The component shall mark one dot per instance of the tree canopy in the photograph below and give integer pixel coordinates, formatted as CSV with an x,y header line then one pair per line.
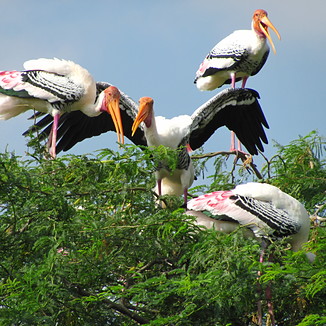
x,y
83,242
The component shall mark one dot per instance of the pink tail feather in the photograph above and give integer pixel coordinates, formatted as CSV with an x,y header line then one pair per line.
x,y
217,200
10,80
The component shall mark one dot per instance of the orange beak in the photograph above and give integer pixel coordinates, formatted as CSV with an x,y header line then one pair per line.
x,y
144,111
264,23
112,98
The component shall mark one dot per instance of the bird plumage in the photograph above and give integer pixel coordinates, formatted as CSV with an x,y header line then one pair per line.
x,y
238,56
171,133
175,133
237,109
75,126
263,208
47,85
53,86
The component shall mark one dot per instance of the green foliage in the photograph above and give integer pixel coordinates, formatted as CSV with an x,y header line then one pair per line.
x,y
84,243
313,320
299,169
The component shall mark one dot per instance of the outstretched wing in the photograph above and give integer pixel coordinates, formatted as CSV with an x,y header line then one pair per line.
x,y
75,126
237,109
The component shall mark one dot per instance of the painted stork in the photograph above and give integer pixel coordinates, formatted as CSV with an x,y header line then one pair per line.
x,y
237,109
238,56
266,210
262,208
172,133
56,86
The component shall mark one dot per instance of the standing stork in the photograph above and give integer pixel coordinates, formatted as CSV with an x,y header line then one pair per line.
x,y
56,86
172,133
238,56
264,209
237,109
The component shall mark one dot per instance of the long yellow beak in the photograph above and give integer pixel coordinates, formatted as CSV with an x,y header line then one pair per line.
x,y
112,99
114,109
145,109
268,23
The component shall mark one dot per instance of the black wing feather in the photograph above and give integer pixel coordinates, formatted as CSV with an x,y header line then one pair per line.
x,y
238,110
75,126
277,219
58,88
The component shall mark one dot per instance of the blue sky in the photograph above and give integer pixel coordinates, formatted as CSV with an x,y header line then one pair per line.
x,y
153,48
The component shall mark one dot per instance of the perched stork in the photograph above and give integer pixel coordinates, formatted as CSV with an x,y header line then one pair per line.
x,y
237,109
56,86
238,56
172,133
264,209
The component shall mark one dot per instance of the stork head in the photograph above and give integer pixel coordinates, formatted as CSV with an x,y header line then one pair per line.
x,y
260,24
145,113
111,106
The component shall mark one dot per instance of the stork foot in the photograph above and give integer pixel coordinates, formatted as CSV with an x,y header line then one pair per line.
x,y
248,160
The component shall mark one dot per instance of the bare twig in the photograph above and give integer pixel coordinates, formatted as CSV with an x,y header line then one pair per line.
x,y
212,154
247,161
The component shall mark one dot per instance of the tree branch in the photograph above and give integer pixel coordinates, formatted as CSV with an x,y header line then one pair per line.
x,y
112,305
247,161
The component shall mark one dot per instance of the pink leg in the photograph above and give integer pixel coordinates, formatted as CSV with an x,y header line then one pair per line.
x,y
53,135
233,75
232,148
49,142
239,146
189,149
244,80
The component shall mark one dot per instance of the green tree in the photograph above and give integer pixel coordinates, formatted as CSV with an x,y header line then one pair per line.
x,y
83,242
